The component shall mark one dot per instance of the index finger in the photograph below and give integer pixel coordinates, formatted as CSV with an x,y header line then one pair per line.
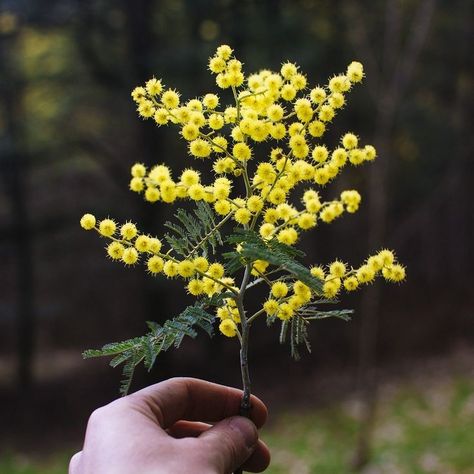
x,y
196,400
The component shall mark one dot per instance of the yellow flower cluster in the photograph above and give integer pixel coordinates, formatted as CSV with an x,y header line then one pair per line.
x,y
285,301
337,276
129,246
278,106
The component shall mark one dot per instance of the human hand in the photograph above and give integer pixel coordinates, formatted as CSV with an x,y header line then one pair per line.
x,y
163,429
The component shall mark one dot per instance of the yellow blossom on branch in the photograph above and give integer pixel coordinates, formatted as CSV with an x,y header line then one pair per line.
x,y
271,168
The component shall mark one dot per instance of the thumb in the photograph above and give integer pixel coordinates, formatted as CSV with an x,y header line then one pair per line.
x,y
230,443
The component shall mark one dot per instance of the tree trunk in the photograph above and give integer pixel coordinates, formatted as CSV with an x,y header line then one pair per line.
x,y
15,173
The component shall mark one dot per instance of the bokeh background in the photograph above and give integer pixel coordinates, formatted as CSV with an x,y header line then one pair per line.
x,y
392,391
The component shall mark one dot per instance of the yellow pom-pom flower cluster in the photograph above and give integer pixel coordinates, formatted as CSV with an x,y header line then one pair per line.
x,y
337,276
283,183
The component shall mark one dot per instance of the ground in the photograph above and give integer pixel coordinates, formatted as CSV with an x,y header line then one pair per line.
x,y
424,424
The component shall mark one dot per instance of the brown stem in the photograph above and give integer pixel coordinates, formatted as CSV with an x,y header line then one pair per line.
x,y
245,405
244,368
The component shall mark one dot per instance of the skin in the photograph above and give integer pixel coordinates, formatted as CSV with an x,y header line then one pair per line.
x,y
182,425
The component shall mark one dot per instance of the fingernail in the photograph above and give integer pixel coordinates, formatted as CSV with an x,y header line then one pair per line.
x,y
246,428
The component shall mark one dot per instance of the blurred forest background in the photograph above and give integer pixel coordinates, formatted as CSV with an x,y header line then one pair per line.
x,y
69,133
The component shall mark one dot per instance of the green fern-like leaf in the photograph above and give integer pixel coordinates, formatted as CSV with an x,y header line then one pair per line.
x,y
297,331
160,338
128,371
205,214
314,313
111,349
277,254
297,327
194,232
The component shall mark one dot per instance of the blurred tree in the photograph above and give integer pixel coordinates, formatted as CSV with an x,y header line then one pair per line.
x,y
14,173
387,82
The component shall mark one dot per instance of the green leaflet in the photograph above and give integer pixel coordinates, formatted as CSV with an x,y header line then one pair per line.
x,y
194,232
277,254
299,335
297,327
160,338
314,313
